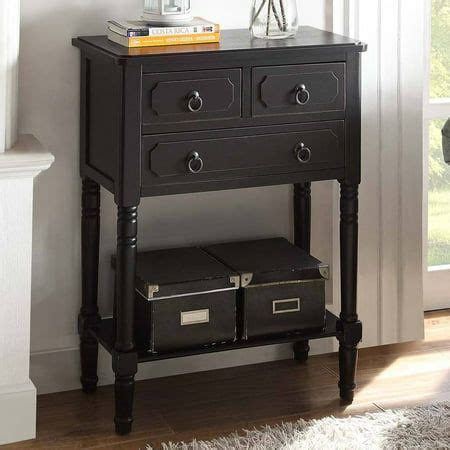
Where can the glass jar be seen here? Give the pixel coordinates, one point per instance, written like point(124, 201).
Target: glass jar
point(274, 19)
point(173, 6)
point(151, 6)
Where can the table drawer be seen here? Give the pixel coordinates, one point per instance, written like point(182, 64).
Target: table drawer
point(218, 155)
point(191, 96)
point(298, 89)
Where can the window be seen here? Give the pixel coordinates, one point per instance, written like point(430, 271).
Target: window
point(437, 178)
point(437, 110)
point(439, 87)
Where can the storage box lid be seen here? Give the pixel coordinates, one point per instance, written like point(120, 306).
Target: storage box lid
point(269, 261)
point(181, 271)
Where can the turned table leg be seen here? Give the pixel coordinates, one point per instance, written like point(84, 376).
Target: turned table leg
point(302, 215)
point(302, 239)
point(301, 350)
point(349, 328)
point(89, 316)
point(124, 356)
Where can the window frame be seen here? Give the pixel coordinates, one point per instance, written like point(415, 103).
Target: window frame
point(436, 278)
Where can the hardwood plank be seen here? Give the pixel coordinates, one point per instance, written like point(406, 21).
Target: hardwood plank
point(76, 420)
point(209, 404)
point(414, 400)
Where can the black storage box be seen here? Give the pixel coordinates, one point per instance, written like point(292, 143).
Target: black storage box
point(185, 298)
point(282, 286)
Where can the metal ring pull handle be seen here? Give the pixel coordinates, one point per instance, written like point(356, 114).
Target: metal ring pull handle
point(195, 102)
point(302, 153)
point(194, 162)
point(302, 95)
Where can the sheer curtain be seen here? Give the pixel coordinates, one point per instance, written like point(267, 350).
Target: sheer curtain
point(9, 54)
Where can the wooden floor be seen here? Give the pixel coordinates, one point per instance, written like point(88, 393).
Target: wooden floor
point(208, 404)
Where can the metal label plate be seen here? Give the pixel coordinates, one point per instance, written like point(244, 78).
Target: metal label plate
point(194, 317)
point(288, 305)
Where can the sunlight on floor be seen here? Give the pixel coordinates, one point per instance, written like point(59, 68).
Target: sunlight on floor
point(419, 374)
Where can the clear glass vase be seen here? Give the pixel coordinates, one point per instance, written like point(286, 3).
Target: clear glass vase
point(274, 19)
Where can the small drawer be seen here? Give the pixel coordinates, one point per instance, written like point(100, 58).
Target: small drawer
point(220, 155)
point(184, 299)
point(300, 89)
point(282, 287)
point(191, 96)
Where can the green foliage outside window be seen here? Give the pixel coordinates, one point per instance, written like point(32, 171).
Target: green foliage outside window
point(439, 171)
point(440, 49)
point(438, 200)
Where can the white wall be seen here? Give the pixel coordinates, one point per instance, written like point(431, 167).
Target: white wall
point(9, 55)
point(48, 108)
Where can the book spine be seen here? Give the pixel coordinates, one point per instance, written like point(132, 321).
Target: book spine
point(165, 31)
point(149, 41)
point(184, 30)
point(127, 33)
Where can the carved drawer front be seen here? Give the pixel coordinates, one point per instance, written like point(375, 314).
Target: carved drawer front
point(221, 155)
point(191, 96)
point(298, 89)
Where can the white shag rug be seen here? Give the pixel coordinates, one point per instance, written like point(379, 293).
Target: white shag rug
point(425, 427)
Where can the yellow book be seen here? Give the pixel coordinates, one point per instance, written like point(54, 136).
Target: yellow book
point(156, 41)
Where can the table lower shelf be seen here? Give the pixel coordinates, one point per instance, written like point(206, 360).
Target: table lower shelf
point(104, 333)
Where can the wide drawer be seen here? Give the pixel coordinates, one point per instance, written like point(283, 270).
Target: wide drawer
point(191, 96)
point(220, 155)
point(298, 89)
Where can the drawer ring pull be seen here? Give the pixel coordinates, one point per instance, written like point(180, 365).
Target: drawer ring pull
point(195, 103)
point(302, 153)
point(302, 95)
point(194, 157)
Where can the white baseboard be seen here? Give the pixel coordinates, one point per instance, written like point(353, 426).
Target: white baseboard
point(60, 371)
point(17, 412)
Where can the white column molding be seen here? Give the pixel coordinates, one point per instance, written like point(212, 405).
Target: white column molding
point(412, 16)
point(390, 256)
point(18, 167)
point(9, 56)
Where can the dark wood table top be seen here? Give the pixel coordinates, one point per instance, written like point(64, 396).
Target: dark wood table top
point(231, 40)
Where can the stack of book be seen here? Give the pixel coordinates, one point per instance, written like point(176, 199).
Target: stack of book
point(134, 33)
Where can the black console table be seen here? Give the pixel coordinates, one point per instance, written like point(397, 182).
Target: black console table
point(242, 113)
